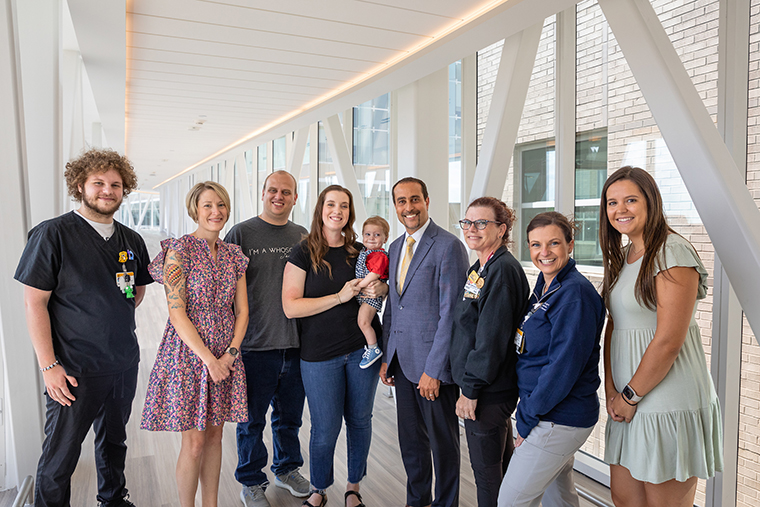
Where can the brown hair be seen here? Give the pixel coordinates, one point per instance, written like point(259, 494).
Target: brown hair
point(191, 201)
point(656, 232)
point(316, 242)
point(501, 212)
point(95, 161)
point(410, 179)
point(566, 225)
point(380, 222)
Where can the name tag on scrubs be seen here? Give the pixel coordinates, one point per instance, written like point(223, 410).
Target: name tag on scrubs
point(126, 282)
point(519, 341)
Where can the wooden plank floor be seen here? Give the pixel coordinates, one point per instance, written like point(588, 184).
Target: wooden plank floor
point(152, 456)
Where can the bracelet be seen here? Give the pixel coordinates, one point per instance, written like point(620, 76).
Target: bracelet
point(46, 368)
point(626, 400)
point(338, 295)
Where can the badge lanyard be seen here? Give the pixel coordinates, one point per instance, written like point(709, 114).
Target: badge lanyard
point(125, 280)
point(475, 282)
point(519, 336)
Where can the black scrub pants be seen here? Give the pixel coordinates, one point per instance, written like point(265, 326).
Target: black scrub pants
point(428, 427)
point(490, 442)
point(105, 403)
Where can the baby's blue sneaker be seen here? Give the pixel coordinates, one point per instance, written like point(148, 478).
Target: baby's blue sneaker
point(371, 354)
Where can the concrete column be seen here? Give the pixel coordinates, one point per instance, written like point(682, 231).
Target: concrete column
point(39, 34)
point(422, 138)
point(22, 410)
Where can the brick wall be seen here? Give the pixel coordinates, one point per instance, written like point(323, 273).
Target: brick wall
point(748, 476)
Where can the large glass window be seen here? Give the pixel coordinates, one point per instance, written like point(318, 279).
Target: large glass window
point(279, 154)
point(537, 164)
point(590, 175)
point(327, 174)
point(371, 158)
point(538, 186)
point(455, 146)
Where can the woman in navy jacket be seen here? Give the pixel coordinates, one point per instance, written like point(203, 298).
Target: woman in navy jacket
point(490, 306)
point(557, 347)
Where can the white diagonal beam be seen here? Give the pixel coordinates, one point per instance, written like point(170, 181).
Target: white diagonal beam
point(723, 201)
point(510, 89)
point(344, 167)
point(298, 149)
point(726, 350)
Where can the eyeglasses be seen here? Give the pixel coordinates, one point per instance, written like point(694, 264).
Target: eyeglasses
point(479, 224)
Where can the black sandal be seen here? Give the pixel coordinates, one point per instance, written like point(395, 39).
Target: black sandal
point(321, 493)
point(356, 494)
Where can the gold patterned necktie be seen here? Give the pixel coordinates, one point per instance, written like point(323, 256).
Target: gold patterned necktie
point(405, 263)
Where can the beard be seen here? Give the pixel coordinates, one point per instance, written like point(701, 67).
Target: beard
point(92, 203)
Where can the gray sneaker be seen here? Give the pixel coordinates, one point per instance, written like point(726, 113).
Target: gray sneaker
point(293, 482)
point(253, 496)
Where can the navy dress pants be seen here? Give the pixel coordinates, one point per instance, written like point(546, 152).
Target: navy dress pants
point(104, 403)
point(428, 427)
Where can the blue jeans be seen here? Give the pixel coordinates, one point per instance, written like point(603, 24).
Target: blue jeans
point(273, 377)
point(337, 390)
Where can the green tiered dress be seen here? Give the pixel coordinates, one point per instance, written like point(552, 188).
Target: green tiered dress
point(676, 432)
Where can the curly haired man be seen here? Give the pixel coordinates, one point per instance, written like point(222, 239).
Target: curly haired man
point(84, 274)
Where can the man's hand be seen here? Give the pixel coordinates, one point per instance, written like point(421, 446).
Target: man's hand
point(428, 387)
point(57, 385)
point(389, 381)
point(466, 407)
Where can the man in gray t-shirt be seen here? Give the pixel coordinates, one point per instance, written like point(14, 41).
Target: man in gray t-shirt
point(270, 350)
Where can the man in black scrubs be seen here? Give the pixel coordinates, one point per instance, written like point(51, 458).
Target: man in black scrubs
point(84, 274)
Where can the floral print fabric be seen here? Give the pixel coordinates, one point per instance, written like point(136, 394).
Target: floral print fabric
point(181, 395)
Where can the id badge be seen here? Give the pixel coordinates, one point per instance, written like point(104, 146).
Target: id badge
point(126, 282)
point(519, 341)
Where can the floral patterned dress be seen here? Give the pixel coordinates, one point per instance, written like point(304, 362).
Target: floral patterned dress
point(181, 395)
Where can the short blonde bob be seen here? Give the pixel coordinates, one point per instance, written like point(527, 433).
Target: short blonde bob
point(195, 193)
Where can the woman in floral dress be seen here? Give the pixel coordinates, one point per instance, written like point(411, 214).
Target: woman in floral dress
point(198, 382)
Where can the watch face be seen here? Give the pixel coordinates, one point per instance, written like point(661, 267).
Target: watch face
point(233, 351)
point(628, 393)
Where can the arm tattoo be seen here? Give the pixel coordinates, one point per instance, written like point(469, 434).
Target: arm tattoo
point(174, 282)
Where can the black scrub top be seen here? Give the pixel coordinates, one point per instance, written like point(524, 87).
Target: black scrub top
point(92, 320)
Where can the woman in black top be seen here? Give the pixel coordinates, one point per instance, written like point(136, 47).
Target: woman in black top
point(318, 289)
point(482, 355)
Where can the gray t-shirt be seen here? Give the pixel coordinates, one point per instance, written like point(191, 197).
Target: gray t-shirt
point(268, 246)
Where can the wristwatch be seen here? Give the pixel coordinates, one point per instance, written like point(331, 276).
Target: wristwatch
point(232, 351)
point(631, 395)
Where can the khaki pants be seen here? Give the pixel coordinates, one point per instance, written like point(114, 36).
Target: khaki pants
point(542, 467)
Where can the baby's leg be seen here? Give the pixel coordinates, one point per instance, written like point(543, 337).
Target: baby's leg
point(366, 314)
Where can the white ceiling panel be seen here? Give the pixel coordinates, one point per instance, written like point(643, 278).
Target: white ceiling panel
point(203, 74)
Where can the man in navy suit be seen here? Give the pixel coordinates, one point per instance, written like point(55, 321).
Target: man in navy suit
point(428, 268)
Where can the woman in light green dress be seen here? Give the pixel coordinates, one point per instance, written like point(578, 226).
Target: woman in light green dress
point(664, 426)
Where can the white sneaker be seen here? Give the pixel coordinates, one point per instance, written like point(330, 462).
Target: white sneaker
point(293, 482)
point(253, 496)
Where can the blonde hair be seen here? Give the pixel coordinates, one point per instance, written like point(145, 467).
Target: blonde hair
point(380, 222)
point(191, 201)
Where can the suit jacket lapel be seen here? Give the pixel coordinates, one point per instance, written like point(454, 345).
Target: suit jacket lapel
point(419, 255)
